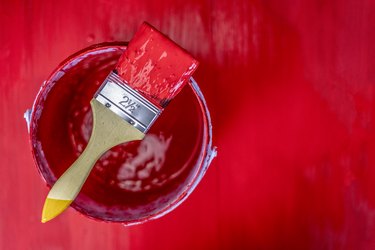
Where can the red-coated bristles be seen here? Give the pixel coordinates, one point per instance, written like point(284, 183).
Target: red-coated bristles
point(155, 66)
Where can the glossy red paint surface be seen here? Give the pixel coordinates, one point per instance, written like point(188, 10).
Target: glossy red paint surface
point(290, 88)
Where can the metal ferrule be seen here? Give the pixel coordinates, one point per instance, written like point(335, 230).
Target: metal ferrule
point(119, 97)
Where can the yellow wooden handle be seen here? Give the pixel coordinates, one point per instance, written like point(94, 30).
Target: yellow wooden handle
point(108, 131)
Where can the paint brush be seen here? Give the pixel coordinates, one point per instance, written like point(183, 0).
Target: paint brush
point(149, 74)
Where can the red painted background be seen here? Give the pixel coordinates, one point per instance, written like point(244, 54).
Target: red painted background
point(290, 85)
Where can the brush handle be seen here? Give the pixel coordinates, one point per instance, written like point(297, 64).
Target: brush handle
point(108, 131)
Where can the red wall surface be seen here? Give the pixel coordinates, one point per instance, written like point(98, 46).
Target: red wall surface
point(290, 85)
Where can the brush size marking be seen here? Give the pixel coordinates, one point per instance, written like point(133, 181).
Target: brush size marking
point(119, 97)
point(128, 104)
